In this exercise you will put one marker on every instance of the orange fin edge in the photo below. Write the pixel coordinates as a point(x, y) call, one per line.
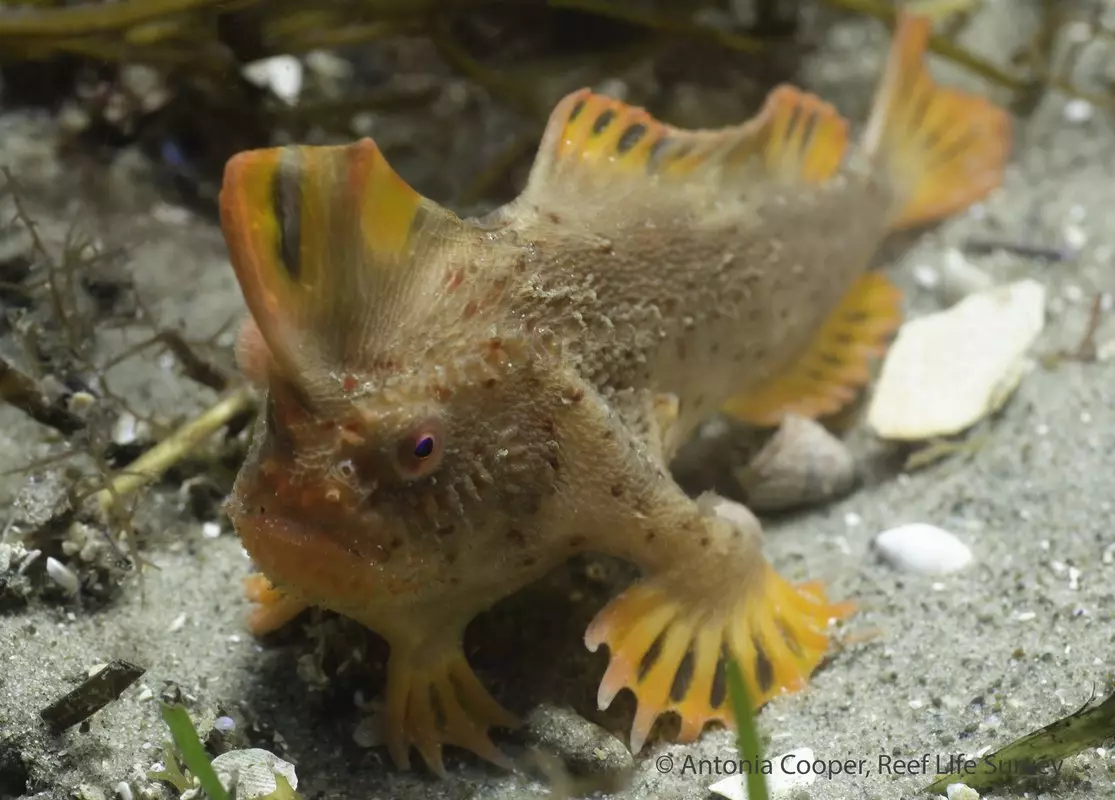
point(942, 148)
point(796, 136)
point(836, 365)
point(675, 662)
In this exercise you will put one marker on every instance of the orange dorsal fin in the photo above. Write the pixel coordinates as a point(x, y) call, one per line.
point(837, 363)
point(324, 241)
point(597, 150)
point(941, 149)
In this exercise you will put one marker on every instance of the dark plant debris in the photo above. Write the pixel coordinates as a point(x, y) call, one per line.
point(1039, 753)
point(168, 75)
point(1086, 351)
point(91, 696)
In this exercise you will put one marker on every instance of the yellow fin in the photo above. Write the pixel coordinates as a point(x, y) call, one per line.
point(674, 660)
point(942, 149)
point(321, 239)
point(271, 609)
point(827, 376)
point(434, 701)
point(595, 147)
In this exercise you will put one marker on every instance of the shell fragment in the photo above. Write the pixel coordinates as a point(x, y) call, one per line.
point(948, 370)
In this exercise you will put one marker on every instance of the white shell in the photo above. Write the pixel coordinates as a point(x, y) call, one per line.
point(779, 783)
point(961, 791)
point(252, 772)
point(801, 465)
point(62, 575)
point(946, 371)
point(926, 549)
point(281, 74)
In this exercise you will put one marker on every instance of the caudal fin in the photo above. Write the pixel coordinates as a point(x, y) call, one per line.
point(941, 149)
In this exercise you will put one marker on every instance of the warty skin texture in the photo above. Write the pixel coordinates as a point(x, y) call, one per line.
point(454, 407)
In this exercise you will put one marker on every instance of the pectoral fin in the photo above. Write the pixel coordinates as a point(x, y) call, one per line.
point(836, 364)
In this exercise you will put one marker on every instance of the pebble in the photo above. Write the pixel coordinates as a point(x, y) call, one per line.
point(1074, 236)
point(126, 429)
point(281, 74)
point(211, 530)
point(1077, 111)
point(926, 277)
point(779, 782)
point(62, 575)
point(583, 746)
point(803, 464)
point(923, 548)
point(252, 773)
point(959, 278)
point(961, 791)
point(948, 370)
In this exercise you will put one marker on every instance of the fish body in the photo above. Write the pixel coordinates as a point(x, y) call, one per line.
point(453, 407)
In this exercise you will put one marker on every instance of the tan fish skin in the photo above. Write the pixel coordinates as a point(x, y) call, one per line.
point(456, 406)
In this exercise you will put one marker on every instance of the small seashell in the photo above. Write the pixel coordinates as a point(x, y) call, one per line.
point(80, 402)
point(926, 277)
point(789, 773)
point(126, 429)
point(62, 575)
point(922, 548)
point(281, 74)
point(960, 277)
point(948, 370)
point(801, 465)
point(961, 791)
point(252, 773)
point(1078, 111)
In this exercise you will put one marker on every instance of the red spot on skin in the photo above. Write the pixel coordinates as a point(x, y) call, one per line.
point(442, 394)
point(454, 279)
point(492, 350)
point(496, 291)
point(471, 309)
point(349, 383)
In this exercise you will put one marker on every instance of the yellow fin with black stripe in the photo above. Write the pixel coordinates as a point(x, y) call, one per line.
point(323, 241)
point(596, 148)
point(837, 363)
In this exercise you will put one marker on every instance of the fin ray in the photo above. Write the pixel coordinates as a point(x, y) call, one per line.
point(595, 148)
point(941, 148)
point(322, 240)
point(775, 631)
point(836, 365)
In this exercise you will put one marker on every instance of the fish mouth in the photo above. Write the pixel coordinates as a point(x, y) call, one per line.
point(315, 559)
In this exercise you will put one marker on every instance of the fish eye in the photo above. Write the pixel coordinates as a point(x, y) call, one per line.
point(419, 452)
point(424, 447)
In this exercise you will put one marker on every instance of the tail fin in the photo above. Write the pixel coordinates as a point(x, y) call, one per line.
point(941, 149)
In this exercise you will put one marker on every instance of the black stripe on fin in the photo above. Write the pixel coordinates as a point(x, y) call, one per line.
point(286, 199)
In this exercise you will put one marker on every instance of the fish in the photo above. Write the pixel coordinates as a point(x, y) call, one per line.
point(451, 407)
